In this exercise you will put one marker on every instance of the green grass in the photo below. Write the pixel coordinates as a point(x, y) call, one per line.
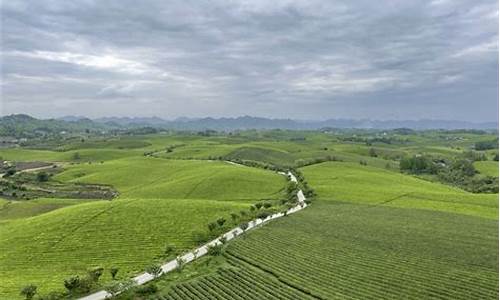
point(23, 209)
point(350, 182)
point(336, 250)
point(129, 234)
point(155, 178)
point(161, 201)
point(489, 168)
point(345, 250)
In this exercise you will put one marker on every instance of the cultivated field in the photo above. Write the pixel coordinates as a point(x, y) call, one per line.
point(373, 231)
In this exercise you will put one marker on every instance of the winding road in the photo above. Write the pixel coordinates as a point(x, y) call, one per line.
point(201, 251)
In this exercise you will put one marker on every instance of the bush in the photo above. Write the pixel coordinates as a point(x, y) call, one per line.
point(263, 214)
point(221, 221)
point(154, 270)
point(258, 205)
point(72, 283)
point(29, 291)
point(113, 271)
point(42, 177)
point(243, 226)
point(146, 290)
point(267, 205)
point(95, 273)
point(169, 250)
point(212, 226)
point(214, 250)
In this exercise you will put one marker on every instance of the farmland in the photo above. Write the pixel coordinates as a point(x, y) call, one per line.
point(372, 231)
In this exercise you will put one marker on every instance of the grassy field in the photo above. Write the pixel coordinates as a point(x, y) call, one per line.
point(370, 234)
point(161, 202)
point(349, 182)
point(489, 168)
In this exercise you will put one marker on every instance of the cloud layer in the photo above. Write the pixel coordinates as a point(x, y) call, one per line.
point(300, 59)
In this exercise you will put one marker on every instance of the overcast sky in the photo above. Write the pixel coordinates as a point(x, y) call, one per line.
point(289, 59)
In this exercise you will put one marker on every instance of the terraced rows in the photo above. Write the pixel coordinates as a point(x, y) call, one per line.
point(347, 260)
point(239, 282)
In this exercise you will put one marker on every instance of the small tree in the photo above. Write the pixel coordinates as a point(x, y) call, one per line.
point(372, 152)
point(243, 226)
point(212, 226)
point(42, 177)
point(76, 156)
point(244, 213)
point(214, 250)
point(221, 221)
point(180, 263)
point(116, 287)
point(154, 270)
point(169, 249)
point(234, 217)
point(258, 205)
point(72, 283)
point(267, 205)
point(29, 291)
point(113, 271)
point(95, 274)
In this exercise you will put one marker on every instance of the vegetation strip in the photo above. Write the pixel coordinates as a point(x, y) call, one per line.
point(201, 251)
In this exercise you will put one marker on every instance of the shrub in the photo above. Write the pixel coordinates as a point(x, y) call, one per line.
point(180, 263)
point(214, 250)
point(263, 215)
point(267, 205)
point(29, 291)
point(258, 205)
point(146, 290)
point(221, 221)
point(95, 273)
point(154, 270)
point(42, 177)
point(234, 217)
point(243, 226)
point(72, 283)
point(212, 226)
point(113, 271)
point(169, 250)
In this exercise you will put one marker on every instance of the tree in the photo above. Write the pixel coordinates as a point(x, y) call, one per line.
point(169, 249)
point(42, 177)
point(76, 156)
point(495, 158)
point(214, 250)
point(154, 270)
point(113, 271)
point(180, 263)
point(234, 217)
point(221, 221)
point(372, 152)
point(29, 291)
point(212, 226)
point(72, 283)
point(244, 226)
point(258, 205)
point(267, 205)
point(95, 273)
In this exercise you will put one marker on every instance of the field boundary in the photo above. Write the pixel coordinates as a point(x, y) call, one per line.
point(203, 250)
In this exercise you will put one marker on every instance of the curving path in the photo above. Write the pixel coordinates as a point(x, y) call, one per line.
point(201, 251)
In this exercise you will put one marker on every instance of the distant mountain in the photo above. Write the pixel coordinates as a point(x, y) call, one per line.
point(26, 126)
point(21, 125)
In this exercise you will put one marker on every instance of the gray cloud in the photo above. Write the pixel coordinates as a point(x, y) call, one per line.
point(299, 59)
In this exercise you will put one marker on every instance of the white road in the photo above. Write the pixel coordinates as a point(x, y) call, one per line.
point(201, 251)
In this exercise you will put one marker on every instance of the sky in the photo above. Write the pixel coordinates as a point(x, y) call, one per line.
point(312, 60)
